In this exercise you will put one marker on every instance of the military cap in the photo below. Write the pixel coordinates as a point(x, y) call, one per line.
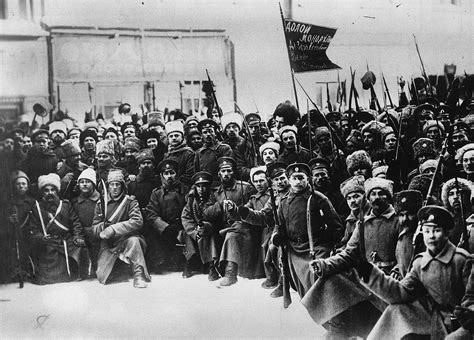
point(466, 107)
point(168, 164)
point(225, 162)
point(286, 128)
point(460, 126)
point(318, 163)
point(202, 177)
point(424, 108)
point(71, 130)
point(364, 116)
point(352, 184)
point(424, 146)
point(435, 215)
point(110, 129)
point(276, 169)
point(127, 125)
point(445, 109)
point(253, 119)
point(19, 130)
point(145, 154)
point(298, 167)
point(407, 200)
point(207, 123)
point(269, 145)
point(433, 123)
point(37, 133)
point(257, 170)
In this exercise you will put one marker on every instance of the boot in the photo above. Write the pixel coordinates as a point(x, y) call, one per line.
point(271, 281)
point(139, 280)
point(187, 272)
point(278, 291)
point(213, 274)
point(230, 277)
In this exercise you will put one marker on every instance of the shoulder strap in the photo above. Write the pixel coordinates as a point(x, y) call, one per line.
point(119, 209)
point(41, 218)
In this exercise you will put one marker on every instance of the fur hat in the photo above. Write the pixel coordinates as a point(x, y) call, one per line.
point(431, 123)
point(70, 148)
point(49, 179)
point(88, 133)
point(269, 145)
point(18, 174)
point(285, 128)
point(39, 132)
point(420, 183)
point(155, 118)
point(407, 200)
point(189, 120)
point(127, 125)
point(320, 132)
point(70, 131)
point(150, 134)
point(359, 158)
point(462, 150)
point(257, 170)
point(145, 154)
point(379, 170)
point(352, 184)
point(174, 126)
point(424, 146)
point(58, 126)
point(115, 176)
point(374, 127)
point(232, 117)
point(430, 163)
point(288, 111)
point(89, 174)
point(132, 144)
point(464, 185)
point(378, 183)
point(105, 146)
point(111, 129)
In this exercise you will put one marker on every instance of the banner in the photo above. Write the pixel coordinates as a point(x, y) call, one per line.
point(307, 45)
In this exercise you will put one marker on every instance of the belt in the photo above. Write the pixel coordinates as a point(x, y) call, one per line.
point(385, 264)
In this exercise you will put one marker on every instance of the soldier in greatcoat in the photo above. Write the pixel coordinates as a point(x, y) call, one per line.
point(117, 223)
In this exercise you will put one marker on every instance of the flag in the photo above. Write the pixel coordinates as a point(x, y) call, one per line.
point(307, 45)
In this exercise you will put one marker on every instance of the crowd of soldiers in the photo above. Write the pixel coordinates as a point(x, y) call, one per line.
point(364, 213)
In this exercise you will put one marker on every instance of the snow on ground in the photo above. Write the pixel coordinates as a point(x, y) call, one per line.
point(171, 307)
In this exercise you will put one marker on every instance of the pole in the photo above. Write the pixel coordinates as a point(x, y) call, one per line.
point(309, 129)
point(289, 59)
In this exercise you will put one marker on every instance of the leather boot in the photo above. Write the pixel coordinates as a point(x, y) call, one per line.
point(213, 274)
point(230, 277)
point(278, 291)
point(271, 280)
point(139, 280)
point(187, 272)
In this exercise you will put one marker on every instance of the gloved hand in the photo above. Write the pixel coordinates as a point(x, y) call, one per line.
point(396, 275)
point(79, 242)
point(107, 233)
point(316, 267)
point(170, 234)
point(278, 239)
point(132, 178)
point(465, 317)
point(243, 212)
point(364, 269)
point(205, 228)
point(68, 177)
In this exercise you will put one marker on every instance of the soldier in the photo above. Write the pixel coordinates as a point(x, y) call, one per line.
point(56, 235)
point(359, 164)
point(70, 169)
point(131, 147)
point(353, 192)
point(231, 124)
point(203, 236)
point(106, 161)
point(328, 151)
point(292, 152)
point(423, 150)
point(179, 151)
point(264, 216)
point(300, 207)
point(57, 135)
point(194, 140)
point(246, 153)
point(269, 152)
point(321, 180)
point(84, 206)
point(146, 180)
point(434, 130)
point(129, 129)
point(238, 243)
point(407, 203)
point(212, 150)
point(87, 141)
point(420, 304)
point(117, 226)
point(163, 213)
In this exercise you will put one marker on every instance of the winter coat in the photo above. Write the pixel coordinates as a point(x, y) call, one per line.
point(39, 162)
point(142, 188)
point(206, 158)
point(127, 242)
point(245, 157)
point(68, 188)
point(404, 251)
point(184, 156)
point(443, 278)
point(299, 155)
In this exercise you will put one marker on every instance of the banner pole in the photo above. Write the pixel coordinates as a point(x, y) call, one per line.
point(289, 59)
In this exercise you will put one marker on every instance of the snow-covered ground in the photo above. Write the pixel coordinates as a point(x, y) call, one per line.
point(171, 307)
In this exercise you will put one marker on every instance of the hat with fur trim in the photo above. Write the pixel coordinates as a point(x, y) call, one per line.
point(352, 184)
point(70, 148)
point(88, 174)
point(376, 172)
point(407, 200)
point(88, 133)
point(424, 146)
point(174, 126)
point(105, 146)
point(49, 179)
point(145, 154)
point(358, 159)
point(286, 128)
point(231, 118)
point(257, 170)
point(18, 174)
point(433, 123)
point(464, 185)
point(378, 183)
point(430, 163)
point(115, 176)
point(58, 126)
point(269, 145)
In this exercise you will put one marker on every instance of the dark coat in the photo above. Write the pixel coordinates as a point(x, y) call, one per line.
point(299, 155)
point(142, 187)
point(184, 156)
point(206, 158)
point(68, 188)
point(39, 162)
point(246, 158)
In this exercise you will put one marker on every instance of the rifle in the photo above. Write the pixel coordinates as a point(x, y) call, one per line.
point(423, 68)
point(361, 230)
point(465, 238)
point(310, 145)
point(328, 98)
point(285, 269)
point(19, 273)
point(213, 93)
point(247, 128)
point(387, 90)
